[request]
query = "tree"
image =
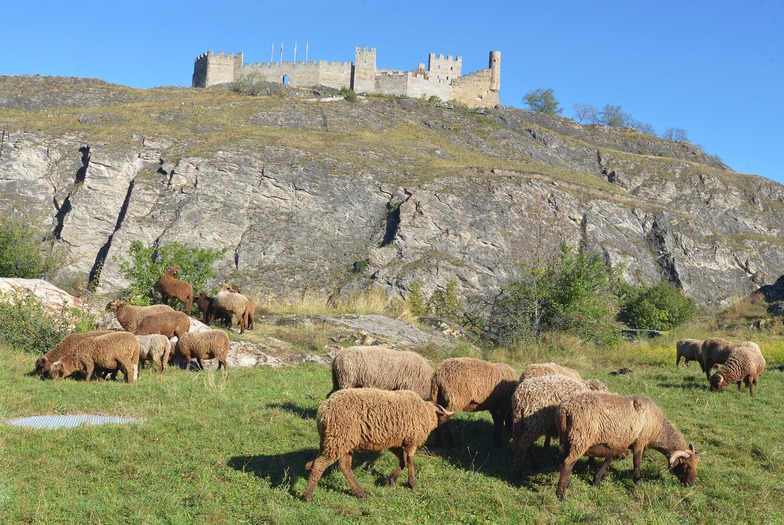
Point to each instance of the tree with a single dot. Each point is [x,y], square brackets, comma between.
[542,101]
[26,250]
[148,263]
[586,113]
[676,135]
[612,116]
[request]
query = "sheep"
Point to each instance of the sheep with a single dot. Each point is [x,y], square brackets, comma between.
[155,348]
[169,324]
[533,411]
[470,385]
[229,302]
[371,419]
[129,316]
[689,350]
[745,364]
[116,350]
[548,369]
[206,306]
[714,352]
[170,286]
[384,368]
[66,346]
[212,344]
[601,424]
[250,309]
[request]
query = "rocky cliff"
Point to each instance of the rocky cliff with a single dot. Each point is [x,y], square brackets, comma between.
[318,194]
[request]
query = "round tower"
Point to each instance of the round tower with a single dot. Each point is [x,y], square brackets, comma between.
[495,71]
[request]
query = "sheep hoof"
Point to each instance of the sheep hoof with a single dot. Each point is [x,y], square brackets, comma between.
[361,495]
[391,481]
[560,495]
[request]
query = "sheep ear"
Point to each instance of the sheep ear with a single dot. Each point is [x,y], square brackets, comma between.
[678,454]
[691,449]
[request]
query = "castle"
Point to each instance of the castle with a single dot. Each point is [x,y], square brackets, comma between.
[442,78]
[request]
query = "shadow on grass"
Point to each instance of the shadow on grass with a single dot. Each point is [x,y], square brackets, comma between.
[304,413]
[687,383]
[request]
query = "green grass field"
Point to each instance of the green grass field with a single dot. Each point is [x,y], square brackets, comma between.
[231,448]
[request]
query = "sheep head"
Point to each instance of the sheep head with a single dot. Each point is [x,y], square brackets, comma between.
[717,382]
[683,464]
[173,270]
[57,370]
[114,305]
[442,414]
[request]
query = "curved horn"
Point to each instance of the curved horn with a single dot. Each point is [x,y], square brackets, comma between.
[678,454]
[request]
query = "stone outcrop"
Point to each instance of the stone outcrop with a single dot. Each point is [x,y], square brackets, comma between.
[337,196]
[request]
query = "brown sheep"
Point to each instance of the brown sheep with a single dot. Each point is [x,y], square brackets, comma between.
[471,385]
[212,344]
[66,346]
[250,310]
[129,316]
[112,351]
[533,411]
[745,364]
[231,303]
[689,350]
[370,419]
[605,425]
[714,352]
[206,306]
[379,367]
[170,324]
[548,369]
[170,286]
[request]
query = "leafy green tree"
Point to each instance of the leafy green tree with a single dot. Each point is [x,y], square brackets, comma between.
[573,292]
[659,307]
[445,303]
[26,251]
[612,116]
[147,264]
[542,100]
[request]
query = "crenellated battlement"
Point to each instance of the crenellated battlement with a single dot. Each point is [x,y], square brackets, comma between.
[443,76]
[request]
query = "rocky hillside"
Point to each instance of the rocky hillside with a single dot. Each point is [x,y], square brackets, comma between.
[311,193]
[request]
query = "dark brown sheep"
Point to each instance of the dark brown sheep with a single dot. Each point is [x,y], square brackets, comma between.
[170,286]
[206,306]
[66,346]
[689,350]
[112,351]
[212,344]
[170,324]
[714,352]
[129,316]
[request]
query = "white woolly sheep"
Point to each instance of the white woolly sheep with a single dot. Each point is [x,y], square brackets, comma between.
[231,303]
[689,350]
[384,368]
[714,352]
[548,369]
[170,286]
[745,364]
[170,324]
[155,348]
[370,419]
[112,351]
[471,385]
[533,411]
[129,316]
[66,346]
[601,424]
[212,344]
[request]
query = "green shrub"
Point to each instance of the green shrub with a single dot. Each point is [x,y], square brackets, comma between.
[659,307]
[148,263]
[348,94]
[445,303]
[251,84]
[26,251]
[27,325]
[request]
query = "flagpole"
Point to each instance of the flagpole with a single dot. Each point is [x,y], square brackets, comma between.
[306,50]
[295,52]
[272,53]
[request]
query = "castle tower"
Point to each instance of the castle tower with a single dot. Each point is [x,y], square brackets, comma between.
[363,73]
[444,68]
[495,71]
[210,69]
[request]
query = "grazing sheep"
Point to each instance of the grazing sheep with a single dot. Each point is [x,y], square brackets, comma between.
[370,419]
[112,351]
[384,368]
[170,286]
[66,346]
[745,364]
[533,411]
[129,316]
[600,424]
[714,352]
[155,348]
[250,310]
[212,344]
[548,369]
[231,303]
[169,324]
[470,385]
[689,350]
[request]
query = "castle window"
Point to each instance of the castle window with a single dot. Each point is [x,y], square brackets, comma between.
[285,79]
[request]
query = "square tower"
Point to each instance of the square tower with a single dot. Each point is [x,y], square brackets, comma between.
[363,73]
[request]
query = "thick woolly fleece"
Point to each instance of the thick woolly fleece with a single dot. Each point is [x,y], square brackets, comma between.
[379,367]
[745,364]
[548,369]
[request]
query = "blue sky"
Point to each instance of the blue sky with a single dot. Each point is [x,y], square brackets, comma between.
[714,68]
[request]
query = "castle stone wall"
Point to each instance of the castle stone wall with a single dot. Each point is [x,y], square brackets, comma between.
[474,90]
[444,68]
[210,69]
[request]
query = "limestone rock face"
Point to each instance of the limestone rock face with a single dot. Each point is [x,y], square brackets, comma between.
[296,215]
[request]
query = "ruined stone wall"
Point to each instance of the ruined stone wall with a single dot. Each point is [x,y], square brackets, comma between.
[474,90]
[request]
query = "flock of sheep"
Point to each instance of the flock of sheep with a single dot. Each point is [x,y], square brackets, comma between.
[393,399]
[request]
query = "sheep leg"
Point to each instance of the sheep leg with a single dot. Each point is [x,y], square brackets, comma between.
[678,361]
[318,467]
[750,384]
[636,459]
[448,442]
[522,450]
[597,478]
[398,451]
[345,468]
[89,368]
[498,427]
[409,455]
